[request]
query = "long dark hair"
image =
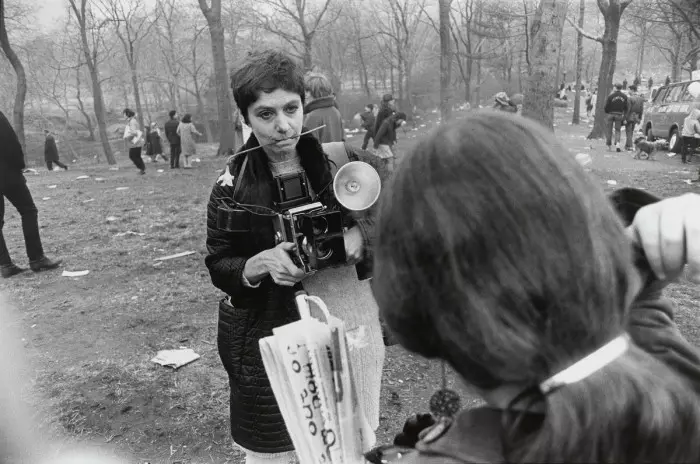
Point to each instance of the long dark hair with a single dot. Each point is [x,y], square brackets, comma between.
[498,253]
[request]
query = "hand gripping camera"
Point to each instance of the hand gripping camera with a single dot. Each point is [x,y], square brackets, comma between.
[316,230]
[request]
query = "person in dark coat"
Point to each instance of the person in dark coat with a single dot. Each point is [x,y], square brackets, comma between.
[155,148]
[13,186]
[173,139]
[511,321]
[322,109]
[386,108]
[51,152]
[368,118]
[257,275]
[616,106]
[385,139]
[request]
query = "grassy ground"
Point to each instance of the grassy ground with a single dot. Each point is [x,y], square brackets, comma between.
[90,339]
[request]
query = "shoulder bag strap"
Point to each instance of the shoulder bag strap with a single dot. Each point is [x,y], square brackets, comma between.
[240,177]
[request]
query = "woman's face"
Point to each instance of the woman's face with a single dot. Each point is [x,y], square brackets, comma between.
[276,116]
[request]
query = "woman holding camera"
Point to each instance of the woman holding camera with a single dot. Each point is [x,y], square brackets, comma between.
[259,275]
[515,269]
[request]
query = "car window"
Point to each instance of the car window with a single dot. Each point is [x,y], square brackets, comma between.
[660,94]
[675,93]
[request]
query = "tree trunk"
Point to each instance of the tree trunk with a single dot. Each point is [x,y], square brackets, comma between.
[546,32]
[445,61]
[137,92]
[468,80]
[579,63]
[612,16]
[640,56]
[308,63]
[81,106]
[18,111]
[227,132]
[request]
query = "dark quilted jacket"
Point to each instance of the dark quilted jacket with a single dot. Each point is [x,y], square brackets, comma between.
[256,422]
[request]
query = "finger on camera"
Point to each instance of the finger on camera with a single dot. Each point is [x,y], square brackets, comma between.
[692,246]
[672,230]
[646,225]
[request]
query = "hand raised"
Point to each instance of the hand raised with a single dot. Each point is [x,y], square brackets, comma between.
[281,267]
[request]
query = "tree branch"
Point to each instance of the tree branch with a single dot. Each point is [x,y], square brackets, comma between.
[584,33]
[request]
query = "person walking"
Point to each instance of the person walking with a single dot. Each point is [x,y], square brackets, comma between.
[51,152]
[13,186]
[173,139]
[386,108]
[187,131]
[616,106]
[155,147]
[321,109]
[633,116]
[368,119]
[134,140]
[385,139]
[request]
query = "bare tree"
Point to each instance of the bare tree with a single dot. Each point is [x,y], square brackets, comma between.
[545,36]
[227,132]
[169,47]
[21,93]
[612,11]
[91,46]
[131,26]
[196,72]
[579,62]
[445,61]
[308,19]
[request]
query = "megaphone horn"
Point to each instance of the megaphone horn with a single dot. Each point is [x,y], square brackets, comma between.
[357,186]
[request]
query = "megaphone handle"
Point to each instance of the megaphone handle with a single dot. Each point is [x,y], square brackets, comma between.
[302,304]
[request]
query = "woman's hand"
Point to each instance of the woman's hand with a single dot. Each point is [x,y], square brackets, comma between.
[354,245]
[669,234]
[280,266]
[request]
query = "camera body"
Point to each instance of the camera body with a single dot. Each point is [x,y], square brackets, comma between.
[316,231]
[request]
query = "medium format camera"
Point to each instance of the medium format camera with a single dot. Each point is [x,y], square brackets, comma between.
[316,231]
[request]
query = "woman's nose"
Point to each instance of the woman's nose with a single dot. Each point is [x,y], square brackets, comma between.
[282,125]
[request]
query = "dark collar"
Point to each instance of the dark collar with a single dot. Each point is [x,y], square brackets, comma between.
[323,102]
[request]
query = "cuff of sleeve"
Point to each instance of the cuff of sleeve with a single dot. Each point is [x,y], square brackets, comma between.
[364,230]
[246,283]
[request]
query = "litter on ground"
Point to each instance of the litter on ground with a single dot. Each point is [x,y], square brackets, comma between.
[175,358]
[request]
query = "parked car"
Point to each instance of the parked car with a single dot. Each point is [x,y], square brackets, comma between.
[663,118]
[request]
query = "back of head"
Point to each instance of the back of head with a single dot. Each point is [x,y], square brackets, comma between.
[617,87]
[318,85]
[128,112]
[172,114]
[187,118]
[265,71]
[633,88]
[511,265]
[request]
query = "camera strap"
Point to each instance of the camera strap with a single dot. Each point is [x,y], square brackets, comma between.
[240,177]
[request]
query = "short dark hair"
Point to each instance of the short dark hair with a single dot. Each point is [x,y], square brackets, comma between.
[172,113]
[265,71]
[633,88]
[618,86]
[187,118]
[513,264]
[128,113]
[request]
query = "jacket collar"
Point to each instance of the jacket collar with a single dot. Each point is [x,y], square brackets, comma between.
[323,102]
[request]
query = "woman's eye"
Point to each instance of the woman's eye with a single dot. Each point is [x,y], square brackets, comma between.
[292,109]
[266,115]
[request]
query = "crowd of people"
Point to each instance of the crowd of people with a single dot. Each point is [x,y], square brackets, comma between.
[542,293]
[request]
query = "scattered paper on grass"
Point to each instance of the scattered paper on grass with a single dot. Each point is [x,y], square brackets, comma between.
[75,273]
[30,170]
[584,159]
[89,200]
[689,181]
[175,358]
[99,179]
[197,160]
[612,182]
[128,232]
[53,186]
[159,170]
[82,177]
[112,218]
[115,168]
[46,198]
[176,255]
[122,188]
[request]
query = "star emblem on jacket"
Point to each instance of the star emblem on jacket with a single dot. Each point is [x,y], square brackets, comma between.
[226,179]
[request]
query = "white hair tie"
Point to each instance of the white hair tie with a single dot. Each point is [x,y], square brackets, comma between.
[588,365]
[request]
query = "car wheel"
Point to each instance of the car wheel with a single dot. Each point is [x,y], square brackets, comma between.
[673,140]
[647,132]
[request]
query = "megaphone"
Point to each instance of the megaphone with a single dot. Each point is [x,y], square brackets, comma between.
[357,186]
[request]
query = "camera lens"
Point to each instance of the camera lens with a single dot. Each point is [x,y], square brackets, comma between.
[319,225]
[323,251]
